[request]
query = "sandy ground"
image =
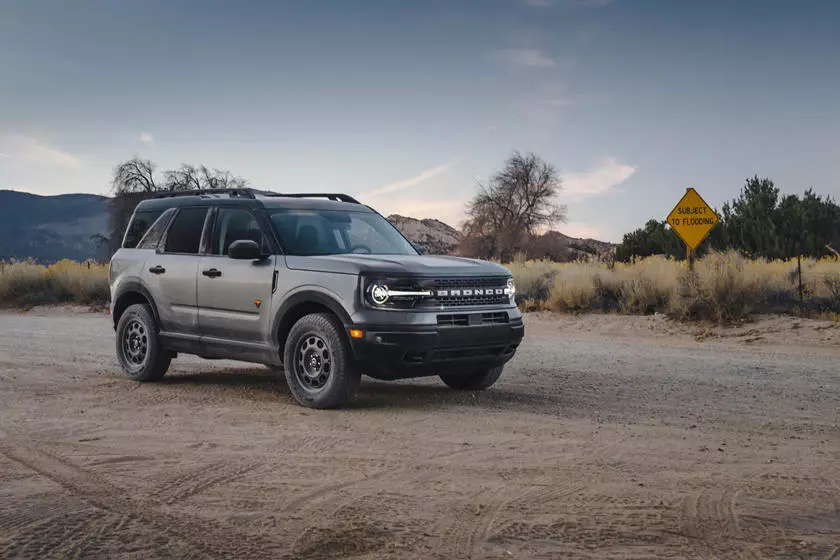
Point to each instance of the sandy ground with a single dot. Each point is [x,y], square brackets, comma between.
[608,437]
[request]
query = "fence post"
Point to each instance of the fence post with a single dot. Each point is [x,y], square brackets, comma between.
[799,269]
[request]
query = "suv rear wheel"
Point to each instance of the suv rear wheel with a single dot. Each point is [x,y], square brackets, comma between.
[318,364]
[475,381]
[139,352]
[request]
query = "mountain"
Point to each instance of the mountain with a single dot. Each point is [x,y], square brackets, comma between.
[441,239]
[51,228]
[556,246]
[437,237]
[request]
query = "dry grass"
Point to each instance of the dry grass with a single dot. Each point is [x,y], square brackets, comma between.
[25,284]
[723,287]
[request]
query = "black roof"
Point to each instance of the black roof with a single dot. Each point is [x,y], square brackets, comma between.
[252,198]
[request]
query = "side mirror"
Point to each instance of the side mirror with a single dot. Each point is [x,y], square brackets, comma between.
[420,248]
[244,249]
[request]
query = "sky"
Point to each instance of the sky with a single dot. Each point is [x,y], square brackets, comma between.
[409,104]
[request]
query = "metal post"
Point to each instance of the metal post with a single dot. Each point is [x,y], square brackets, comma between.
[799,266]
[689,256]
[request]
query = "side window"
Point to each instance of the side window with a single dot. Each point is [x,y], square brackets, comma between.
[152,237]
[184,236]
[234,224]
[140,223]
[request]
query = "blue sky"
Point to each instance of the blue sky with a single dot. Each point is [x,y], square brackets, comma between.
[408,103]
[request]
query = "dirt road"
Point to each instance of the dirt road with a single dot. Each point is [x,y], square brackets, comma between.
[607,437]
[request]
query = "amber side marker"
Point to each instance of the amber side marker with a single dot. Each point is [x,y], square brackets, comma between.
[356,333]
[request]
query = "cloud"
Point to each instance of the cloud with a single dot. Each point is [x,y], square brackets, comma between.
[533,58]
[568,3]
[591,3]
[608,175]
[30,150]
[410,182]
[2,155]
[561,102]
[586,3]
[147,138]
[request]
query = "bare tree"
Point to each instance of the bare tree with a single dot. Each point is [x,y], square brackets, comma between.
[134,181]
[134,176]
[189,177]
[517,201]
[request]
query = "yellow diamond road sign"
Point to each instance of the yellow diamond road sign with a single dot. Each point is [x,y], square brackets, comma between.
[692,219]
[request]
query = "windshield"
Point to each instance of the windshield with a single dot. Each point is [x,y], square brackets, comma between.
[334,232]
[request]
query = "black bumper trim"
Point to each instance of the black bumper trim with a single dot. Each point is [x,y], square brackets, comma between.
[404,352]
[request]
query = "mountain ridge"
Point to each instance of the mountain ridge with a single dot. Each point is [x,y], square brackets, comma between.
[72,226]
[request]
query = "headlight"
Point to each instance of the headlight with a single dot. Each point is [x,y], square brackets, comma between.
[396,293]
[379,294]
[511,290]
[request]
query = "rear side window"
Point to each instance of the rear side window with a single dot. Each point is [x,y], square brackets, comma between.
[152,238]
[184,236]
[140,223]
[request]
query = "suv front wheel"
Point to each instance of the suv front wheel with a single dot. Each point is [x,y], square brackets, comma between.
[139,352]
[475,381]
[318,364]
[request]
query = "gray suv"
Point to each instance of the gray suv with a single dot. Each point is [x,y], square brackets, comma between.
[319,286]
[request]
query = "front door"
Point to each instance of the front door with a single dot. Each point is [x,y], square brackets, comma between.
[234,296]
[170,273]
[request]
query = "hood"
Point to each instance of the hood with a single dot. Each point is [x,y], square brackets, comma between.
[398,265]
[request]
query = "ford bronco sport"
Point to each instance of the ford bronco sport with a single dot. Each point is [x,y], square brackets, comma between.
[319,286]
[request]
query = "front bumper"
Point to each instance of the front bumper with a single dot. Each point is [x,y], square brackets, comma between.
[406,351]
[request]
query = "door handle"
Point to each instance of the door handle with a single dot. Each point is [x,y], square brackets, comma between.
[212,273]
[157,270]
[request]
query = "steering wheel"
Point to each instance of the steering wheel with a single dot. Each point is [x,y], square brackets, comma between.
[364,248]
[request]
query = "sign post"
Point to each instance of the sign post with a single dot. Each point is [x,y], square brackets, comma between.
[692,219]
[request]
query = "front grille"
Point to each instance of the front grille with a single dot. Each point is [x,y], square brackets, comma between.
[461,300]
[494,318]
[453,320]
[475,319]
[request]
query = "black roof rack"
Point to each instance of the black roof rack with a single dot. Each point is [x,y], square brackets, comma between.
[254,193]
[239,193]
[339,197]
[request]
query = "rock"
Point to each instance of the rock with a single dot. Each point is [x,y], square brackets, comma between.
[437,237]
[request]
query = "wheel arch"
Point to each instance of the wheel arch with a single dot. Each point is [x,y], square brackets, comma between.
[300,304]
[130,294]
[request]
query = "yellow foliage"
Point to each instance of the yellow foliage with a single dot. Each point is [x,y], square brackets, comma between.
[723,286]
[24,283]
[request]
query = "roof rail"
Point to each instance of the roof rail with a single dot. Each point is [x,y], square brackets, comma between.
[339,197]
[234,193]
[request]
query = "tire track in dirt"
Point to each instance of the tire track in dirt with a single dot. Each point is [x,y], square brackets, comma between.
[469,539]
[209,538]
[710,519]
[327,502]
[320,498]
[187,484]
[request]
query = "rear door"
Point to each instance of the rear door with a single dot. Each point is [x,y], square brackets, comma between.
[234,296]
[170,273]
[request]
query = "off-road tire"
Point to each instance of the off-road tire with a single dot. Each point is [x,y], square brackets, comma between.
[477,381]
[137,329]
[315,342]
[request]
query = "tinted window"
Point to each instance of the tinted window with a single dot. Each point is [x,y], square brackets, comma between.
[152,237]
[331,232]
[233,224]
[184,235]
[140,223]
